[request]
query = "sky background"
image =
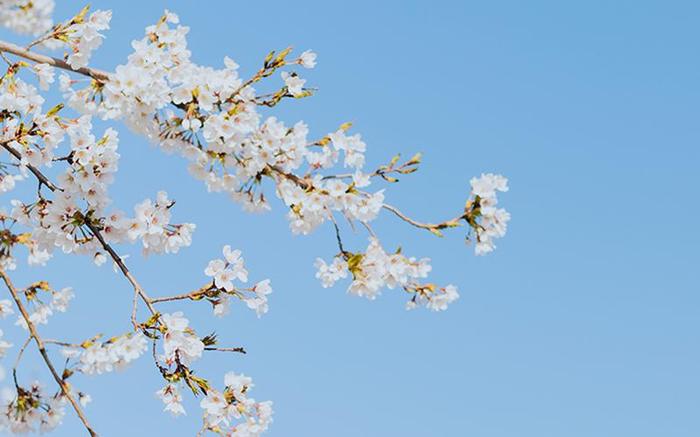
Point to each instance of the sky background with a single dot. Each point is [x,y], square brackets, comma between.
[583,323]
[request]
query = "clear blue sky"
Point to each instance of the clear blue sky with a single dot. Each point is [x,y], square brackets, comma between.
[584,322]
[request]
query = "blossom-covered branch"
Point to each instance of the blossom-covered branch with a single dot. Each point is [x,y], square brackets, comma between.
[28,402]
[213,118]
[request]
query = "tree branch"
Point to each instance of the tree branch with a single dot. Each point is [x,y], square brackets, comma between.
[95,232]
[94,73]
[432,227]
[42,350]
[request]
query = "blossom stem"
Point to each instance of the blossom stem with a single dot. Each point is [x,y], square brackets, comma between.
[42,350]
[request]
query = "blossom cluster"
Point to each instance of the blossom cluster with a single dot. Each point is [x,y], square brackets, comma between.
[210,117]
[30,132]
[27,16]
[94,357]
[83,194]
[492,221]
[375,269]
[223,272]
[93,164]
[39,310]
[30,410]
[233,412]
[213,118]
[180,343]
[81,34]
[152,225]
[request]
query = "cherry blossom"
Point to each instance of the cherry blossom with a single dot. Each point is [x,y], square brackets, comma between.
[98,358]
[27,16]
[233,409]
[217,121]
[30,410]
[172,400]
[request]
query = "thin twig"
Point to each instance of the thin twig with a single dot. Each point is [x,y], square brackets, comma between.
[337,234]
[61,343]
[191,295]
[226,349]
[19,358]
[429,226]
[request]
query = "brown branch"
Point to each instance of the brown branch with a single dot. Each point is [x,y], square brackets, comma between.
[226,349]
[122,266]
[191,295]
[432,227]
[95,232]
[42,350]
[94,73]
[39,175]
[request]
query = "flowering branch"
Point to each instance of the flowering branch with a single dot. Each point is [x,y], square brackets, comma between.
[94,73]
[65,388]
[97,234]
[210,116]
[40,176]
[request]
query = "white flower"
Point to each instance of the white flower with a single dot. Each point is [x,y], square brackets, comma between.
[215,267]
[214,405]
[27,17]
[222,306]
[440,301]
[293,83]
[84,37]
[180,342]
[182,345]
[61,298]
[330,274]
[45,73]
[99,258]
[4,345]
[172,400]
[493,221]
[84,399]
[175,321]
[6,308]
[100,358]
[487,185]
[307,59]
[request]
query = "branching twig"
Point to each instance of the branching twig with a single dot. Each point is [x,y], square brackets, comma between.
[42,350]
[93,229]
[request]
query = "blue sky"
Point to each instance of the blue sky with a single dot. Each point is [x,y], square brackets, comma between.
[583,323]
